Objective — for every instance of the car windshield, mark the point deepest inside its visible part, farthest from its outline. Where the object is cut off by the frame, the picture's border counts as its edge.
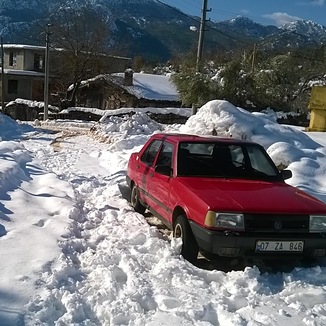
(218, 159)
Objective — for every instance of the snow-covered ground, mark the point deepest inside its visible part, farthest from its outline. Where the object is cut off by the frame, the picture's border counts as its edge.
(73, 252)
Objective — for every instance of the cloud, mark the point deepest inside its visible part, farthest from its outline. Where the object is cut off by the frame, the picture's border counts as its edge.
(281, 18)
(245, 11)
(312, 3)
(318, 2)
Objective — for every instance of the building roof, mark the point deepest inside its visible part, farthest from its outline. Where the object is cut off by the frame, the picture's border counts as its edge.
(42, 48)
(23, 46)
(146, 86)
(30, 73)
(151, 87)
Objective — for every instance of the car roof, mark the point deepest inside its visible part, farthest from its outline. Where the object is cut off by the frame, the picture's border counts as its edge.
(175, 137)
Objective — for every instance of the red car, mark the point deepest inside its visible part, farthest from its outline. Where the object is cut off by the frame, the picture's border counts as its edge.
(225, 197)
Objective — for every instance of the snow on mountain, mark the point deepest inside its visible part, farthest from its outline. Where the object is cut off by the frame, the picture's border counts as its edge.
(307, 28)
(152, 28)
(246, 26)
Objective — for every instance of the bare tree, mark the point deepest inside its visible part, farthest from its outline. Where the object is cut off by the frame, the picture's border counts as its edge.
(80, 38)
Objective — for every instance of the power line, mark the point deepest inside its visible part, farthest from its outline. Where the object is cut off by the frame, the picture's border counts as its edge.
(198, 21)
(179, 11)
(2, 78)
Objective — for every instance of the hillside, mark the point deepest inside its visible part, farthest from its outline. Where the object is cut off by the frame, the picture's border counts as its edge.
(154, 31)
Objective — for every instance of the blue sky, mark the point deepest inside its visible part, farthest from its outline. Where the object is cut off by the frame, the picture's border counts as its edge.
(266, 12)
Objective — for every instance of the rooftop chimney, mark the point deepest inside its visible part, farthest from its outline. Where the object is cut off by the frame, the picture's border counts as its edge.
(128, 77)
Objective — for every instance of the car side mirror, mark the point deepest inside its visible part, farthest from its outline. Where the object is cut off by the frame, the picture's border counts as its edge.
(163, 169)
(286, 174)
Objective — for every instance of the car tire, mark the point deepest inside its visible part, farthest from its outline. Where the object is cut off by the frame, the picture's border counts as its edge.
(134, 200)
(182, 229)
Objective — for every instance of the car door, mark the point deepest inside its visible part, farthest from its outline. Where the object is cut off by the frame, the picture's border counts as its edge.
(145, 167)
(158, 185)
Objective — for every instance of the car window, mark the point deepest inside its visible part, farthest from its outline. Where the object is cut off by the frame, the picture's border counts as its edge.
(237, 155)
(219, 159)
(260, 162)
(165, 155)
(198, 148)
(149, 155)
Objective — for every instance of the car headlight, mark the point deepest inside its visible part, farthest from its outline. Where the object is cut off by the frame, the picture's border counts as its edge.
(317, 223)
(229, 221)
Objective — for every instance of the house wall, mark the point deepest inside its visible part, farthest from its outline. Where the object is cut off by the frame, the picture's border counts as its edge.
(124, 100)
(117, 64)
(23, 58)
(29, 58)
(119, 99)
(24, 88)
(18, 56)
(29, 86)
(38, 90)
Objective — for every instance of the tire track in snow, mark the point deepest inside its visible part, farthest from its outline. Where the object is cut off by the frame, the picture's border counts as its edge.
(63, 280)
(100, 213)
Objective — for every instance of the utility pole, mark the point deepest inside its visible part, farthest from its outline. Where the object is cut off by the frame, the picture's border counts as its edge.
(253, 59)
(2, 77)
(46, 81)
(202, 30)
(201, 34)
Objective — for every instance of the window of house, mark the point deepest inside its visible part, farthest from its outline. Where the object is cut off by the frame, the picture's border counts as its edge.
(12, 86)
(12, 59)
(38, 62)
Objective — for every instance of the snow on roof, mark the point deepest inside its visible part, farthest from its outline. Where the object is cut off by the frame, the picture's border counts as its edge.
(147, 86)
(24, 72)
(23, 46)
(83, 109)
(31, 104)
(151, 87)
(185, 112)
(42, 48)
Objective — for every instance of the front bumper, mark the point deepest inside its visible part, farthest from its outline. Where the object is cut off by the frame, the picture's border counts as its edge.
(242, 245)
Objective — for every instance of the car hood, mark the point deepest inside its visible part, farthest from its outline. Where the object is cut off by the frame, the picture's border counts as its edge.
(252, 196)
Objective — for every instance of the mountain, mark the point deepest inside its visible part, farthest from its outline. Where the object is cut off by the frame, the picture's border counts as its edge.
(153, 30)
(313, 31)
(247, 27)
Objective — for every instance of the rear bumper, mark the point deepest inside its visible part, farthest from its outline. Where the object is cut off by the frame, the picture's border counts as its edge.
(232, 244)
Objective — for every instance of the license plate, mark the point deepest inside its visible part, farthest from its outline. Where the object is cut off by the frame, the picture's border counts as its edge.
(292, 246)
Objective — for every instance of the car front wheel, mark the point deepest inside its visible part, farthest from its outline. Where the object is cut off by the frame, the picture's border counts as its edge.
(183, 230)
(134, 200)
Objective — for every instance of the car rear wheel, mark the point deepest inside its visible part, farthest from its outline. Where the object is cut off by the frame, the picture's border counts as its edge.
(183, 230)
(134, 200)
